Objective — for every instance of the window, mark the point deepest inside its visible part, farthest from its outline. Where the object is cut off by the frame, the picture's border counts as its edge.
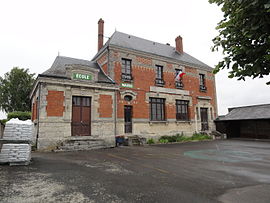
(159, 75)
(182, 110)
(128, 98)
(178, 83)
(157, 109)
(126, 70)
(202, 83)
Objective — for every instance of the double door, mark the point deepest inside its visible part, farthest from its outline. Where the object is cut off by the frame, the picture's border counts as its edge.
(81, 116)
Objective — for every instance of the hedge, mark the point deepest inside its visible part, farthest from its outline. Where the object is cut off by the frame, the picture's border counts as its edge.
(20, 115)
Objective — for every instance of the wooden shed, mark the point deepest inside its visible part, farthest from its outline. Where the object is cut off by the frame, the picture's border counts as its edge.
(246, 122)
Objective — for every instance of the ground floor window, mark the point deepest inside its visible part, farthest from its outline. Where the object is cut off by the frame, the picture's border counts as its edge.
(182, 110)
(157, 109)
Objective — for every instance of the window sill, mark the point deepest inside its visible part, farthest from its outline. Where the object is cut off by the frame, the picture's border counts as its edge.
(158, 122)
(179, 122)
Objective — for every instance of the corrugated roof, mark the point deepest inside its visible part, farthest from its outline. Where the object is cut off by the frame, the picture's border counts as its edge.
(58, 68)
(139, 44)
(247, 113)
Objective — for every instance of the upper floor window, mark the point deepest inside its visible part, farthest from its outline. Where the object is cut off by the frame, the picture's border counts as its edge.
(202, 83)
(126, 69)
(178, 79)
(159, 75)
(157, 109)
(182, 110)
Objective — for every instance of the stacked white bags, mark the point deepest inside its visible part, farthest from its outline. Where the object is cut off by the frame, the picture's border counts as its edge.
(21, 133)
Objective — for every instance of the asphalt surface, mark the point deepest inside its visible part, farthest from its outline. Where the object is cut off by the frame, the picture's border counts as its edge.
(210, 171)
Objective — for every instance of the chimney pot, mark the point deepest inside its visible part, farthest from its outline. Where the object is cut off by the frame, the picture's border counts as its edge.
(100, 33)
(179, 44)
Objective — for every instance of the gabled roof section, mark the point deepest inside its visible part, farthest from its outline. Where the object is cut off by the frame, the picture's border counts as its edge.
(58, 68)
(123, 40)
(247, 113)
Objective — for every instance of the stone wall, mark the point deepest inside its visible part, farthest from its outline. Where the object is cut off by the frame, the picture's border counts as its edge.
(55, 129)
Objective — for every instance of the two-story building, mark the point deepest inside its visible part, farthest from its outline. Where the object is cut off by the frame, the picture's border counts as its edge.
(130, 87)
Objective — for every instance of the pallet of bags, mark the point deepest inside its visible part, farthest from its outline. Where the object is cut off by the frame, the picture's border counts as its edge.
(15, 147)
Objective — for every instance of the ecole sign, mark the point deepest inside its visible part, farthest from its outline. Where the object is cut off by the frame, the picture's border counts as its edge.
(80, 76)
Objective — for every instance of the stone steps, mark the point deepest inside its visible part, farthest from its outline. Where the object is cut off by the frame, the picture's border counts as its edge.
(80, 145)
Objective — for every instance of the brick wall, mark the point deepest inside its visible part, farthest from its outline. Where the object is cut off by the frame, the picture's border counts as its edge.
(105, 106)
(143, 72)
(105, 68)
(55, 103)
(34, 110)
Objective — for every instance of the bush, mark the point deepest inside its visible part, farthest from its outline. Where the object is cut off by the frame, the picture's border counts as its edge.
(20, 115)
(3, 121)
(200, 136)
(163, 141)
(150, 141)
(182, 138)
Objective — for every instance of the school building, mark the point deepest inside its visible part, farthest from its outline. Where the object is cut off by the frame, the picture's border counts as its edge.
(132, 86)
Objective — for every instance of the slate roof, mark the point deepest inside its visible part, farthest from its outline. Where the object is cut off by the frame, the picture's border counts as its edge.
(123, 40)
(58, 68)
(247, 113)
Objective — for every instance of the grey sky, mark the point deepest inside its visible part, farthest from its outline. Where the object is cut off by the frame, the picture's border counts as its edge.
(32, 32)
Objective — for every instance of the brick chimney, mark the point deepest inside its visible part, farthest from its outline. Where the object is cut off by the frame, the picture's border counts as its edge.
(179, 44)
(100, 33)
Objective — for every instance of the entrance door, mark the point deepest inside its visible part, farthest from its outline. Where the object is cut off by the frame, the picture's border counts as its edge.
(128, 119)
(81, 116)
(204, 119)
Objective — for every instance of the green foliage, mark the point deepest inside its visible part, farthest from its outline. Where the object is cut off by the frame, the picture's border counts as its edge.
(200, 136)
(15, 90)
(20, 115)
(3, 121)
(150, 141)
(244, 37)
(182, 138)
(164, 141)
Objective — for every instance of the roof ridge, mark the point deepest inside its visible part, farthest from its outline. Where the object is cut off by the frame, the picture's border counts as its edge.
(254, 105)
(145, 39)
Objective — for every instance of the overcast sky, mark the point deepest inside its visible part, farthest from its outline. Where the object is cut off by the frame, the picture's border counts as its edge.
(32, 32)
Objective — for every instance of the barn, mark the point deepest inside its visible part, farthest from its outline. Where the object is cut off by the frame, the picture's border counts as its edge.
(246, 122)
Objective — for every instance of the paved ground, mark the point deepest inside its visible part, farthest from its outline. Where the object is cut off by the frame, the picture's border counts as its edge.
(215, 171)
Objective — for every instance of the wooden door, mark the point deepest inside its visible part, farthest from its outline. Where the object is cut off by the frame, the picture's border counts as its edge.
(81, 116)
(128, 119)
(204, 119)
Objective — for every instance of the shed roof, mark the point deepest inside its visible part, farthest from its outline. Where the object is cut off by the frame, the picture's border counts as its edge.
(58, 68)
(139, 44)
(247, 113)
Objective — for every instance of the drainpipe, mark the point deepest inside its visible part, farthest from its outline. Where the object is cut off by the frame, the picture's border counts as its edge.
(196, 116)
(38, 112)
(115, 113)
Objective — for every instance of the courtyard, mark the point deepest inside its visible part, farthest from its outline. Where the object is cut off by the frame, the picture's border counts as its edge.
(208, 171)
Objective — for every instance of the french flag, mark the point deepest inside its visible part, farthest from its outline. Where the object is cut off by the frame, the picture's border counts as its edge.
(179, 75)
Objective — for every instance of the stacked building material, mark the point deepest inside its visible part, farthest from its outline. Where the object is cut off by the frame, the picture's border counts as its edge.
(15, 153)
(16, 142)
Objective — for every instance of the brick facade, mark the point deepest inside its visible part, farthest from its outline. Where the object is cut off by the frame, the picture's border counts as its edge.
(34, 110)
(105, 106)
(55, 103)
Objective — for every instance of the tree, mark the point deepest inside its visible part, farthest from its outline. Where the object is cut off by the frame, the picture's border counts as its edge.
(15, 90)
(244, 38)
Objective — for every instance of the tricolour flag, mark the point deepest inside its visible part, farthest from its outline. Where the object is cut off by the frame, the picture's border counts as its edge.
(179, 75)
